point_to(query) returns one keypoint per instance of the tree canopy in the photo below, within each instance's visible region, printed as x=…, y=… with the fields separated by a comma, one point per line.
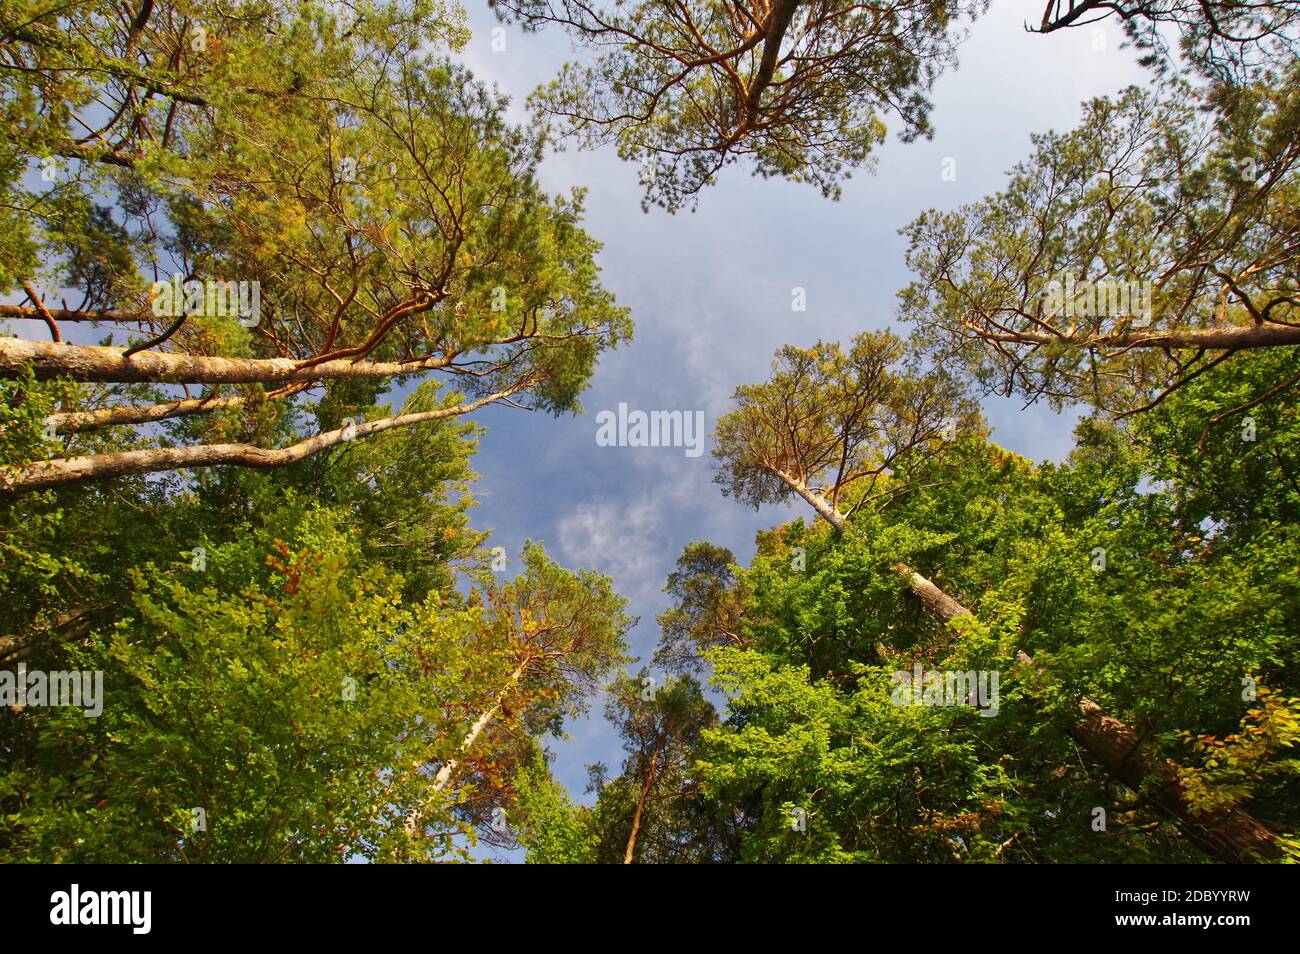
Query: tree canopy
x=804, y=89
x=1124, y=258
x=795, y=89
x=267, y=261
x=382, y=221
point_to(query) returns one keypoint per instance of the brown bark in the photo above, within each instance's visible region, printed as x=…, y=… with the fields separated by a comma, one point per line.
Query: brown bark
x=640, y=810
x=112, y=365
x=39, y=305
x=1073, y=12
x=1267, y=335
x=1230, y=835
x=778, y=21
x=45, y=474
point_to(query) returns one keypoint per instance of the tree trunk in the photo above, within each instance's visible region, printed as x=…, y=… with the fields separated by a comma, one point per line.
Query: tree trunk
x=814, y=500
x=444, y=774
x=441, y=780
x=1267, y=335
x=1230, y=835
x=936, y=602
x=640, y=809
x=52, y=359
x=778, y=21
x=42, y=475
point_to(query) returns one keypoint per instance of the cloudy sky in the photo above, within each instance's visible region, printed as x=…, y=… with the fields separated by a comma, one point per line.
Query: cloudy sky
x=710, y=293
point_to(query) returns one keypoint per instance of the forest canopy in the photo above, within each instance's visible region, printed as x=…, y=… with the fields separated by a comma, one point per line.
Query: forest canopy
x=272, y=272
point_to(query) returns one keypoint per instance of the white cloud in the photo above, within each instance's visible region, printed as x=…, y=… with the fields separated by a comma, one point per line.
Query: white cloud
x=614, y=537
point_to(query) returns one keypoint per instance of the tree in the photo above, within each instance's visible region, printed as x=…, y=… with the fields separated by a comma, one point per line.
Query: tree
x=830, y=775
x=801, y=89
x=706, y=608
x=157, y=69
x=827, y=768
x=797, y=89
x=1125, y=258
x=1241, y=481
x=552, y=829
x=565, y=632
x=247, y=716
x=304, y=708
x=654, y=811
x=386, y=217
x=828, y=420
x=402, y=495
x=782, y=426
x=1230, y=41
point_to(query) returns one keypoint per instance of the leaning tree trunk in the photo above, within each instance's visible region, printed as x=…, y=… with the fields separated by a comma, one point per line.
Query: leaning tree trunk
x=441, y=780
x=640, y=810
x=481, y=723
x=1229, y=834
x=63, y=471
x=49, y=359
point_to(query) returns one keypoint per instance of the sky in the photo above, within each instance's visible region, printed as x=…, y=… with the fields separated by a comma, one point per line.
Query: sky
x=711, y=295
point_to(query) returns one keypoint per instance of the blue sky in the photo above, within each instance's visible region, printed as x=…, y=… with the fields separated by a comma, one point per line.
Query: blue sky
x=710, y=292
